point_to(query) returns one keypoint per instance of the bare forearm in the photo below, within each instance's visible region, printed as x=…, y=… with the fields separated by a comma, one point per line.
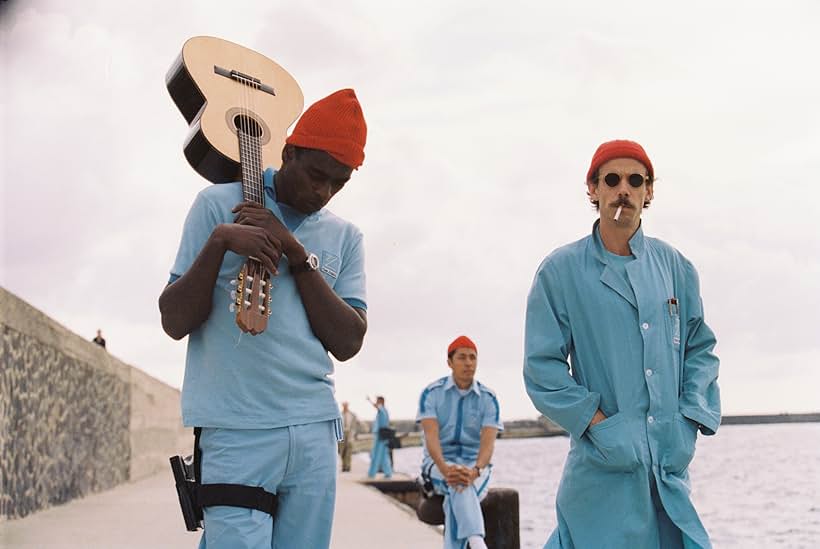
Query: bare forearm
x=486, y=447
x=432, y=442
x=338, y=326
x=186, y=303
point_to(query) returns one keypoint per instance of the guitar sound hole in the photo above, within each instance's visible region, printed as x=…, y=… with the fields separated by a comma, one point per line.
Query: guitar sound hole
x=247, y=125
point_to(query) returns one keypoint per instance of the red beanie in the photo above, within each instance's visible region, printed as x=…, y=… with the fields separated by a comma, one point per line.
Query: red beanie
x=620, y=148
x=459, y=342
x=335, y=125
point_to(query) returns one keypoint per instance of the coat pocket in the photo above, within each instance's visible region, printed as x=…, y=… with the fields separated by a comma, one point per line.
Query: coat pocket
x=609, y=445
x=674, y=325
x=678, y=447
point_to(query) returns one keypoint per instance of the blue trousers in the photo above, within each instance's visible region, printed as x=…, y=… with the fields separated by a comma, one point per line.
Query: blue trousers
x=462, y=509
x=380, y=459
x=298, y=463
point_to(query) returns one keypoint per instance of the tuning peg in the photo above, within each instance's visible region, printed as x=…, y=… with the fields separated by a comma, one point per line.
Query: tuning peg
x=232, y=308
x=250, y=279
x=233, y=295
x=249, y=291
x=262, y=308
x=233, y=282
x=247, y=304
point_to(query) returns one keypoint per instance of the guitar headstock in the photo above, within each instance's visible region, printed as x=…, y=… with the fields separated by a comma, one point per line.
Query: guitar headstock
x=253, y=288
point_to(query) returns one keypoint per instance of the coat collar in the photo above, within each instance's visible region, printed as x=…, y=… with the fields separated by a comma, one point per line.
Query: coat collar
x=609, y=277
x=637, y=244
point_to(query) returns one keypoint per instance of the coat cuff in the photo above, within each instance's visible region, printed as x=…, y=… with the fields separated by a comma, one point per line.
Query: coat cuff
x=708, y=422
x=589, y=412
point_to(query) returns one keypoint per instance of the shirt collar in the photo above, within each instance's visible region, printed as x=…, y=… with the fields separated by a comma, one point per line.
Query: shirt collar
x=637, y=243
x=451, y=383
x=270, y=190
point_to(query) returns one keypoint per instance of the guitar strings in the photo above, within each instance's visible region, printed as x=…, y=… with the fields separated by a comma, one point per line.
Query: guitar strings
x=254, y=143
x=250, y=141
x=248, y=159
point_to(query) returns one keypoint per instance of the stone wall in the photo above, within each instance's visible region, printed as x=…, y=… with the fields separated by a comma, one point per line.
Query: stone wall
x=73, y=419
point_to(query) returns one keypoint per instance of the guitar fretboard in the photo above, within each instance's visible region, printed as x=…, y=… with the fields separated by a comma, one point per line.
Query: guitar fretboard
x=250, y=154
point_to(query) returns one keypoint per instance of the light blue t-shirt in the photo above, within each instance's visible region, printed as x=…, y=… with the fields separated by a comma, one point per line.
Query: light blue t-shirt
x=460, y=417
x=618, y=264
x=281, y=376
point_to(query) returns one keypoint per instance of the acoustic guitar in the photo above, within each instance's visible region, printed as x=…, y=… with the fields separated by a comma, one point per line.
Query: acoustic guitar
x=239, y=105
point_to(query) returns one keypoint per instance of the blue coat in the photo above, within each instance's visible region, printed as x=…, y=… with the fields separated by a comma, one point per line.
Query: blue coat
x=641, y=352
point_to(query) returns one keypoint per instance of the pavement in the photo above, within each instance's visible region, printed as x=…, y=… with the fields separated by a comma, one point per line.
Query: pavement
x=145, y=515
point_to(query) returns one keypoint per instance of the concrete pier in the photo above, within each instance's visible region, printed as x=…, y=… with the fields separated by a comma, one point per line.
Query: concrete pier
x=145, y=513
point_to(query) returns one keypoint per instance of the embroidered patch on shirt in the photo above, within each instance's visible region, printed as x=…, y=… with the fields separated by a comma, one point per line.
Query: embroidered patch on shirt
x=330, y=264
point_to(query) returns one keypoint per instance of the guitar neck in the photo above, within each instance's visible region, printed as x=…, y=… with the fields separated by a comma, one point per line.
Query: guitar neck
x=250, y=153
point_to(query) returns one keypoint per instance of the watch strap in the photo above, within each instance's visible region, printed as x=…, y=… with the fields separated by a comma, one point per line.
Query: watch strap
x=311, y=263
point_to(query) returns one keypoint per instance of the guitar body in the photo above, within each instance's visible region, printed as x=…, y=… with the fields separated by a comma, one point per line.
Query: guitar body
x=208, y=83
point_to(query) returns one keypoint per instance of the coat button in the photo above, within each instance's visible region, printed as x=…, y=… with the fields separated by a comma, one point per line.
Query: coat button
x=650, y=419
x=645, y=325
x=649, y=372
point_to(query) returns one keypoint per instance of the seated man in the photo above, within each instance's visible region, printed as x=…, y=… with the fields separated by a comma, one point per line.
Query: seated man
x=461, y=419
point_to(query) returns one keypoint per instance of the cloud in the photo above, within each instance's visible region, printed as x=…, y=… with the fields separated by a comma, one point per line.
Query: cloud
x=482, y=121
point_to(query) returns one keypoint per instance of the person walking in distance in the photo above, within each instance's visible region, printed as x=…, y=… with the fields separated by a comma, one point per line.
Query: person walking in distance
x=380, y=453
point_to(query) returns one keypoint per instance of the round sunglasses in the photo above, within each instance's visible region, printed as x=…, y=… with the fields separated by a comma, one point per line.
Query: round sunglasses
x=634, y=179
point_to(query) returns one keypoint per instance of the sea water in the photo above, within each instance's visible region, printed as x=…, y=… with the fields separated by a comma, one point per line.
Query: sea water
x=754, y=486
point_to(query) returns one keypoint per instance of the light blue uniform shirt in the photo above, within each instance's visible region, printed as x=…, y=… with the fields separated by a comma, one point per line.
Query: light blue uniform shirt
x=382, y=420
x=281, y=376
x=640, y=351
x=460, y=417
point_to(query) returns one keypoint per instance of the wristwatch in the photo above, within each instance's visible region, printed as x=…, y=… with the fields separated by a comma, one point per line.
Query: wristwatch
x=311, y=263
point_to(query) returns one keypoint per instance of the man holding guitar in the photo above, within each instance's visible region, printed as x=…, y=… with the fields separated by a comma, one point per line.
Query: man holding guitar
x=264, y=402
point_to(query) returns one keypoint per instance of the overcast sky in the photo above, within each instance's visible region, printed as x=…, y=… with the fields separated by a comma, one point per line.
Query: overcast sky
x=482, y=121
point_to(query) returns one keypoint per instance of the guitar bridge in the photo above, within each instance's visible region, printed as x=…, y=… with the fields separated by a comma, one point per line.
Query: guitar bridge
x=243, y=78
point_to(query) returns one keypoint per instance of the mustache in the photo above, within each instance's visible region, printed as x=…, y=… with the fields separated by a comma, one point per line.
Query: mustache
x=622, y=201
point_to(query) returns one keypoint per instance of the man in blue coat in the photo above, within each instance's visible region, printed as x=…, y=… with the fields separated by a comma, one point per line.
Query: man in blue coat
x=380, y=452
x=617, y=353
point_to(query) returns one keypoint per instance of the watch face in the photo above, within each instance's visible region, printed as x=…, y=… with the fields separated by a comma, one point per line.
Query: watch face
x=313, y=262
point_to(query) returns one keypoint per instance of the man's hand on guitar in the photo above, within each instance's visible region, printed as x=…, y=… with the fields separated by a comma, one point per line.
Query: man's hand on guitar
x=251, y=241
x=251, y=213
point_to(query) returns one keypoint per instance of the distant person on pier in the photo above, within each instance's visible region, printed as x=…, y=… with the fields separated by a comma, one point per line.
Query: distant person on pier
x=461, y=420
x=380, y=452
x=265, y=403
x=350, y=424
x=617, y=352
x=99, y=340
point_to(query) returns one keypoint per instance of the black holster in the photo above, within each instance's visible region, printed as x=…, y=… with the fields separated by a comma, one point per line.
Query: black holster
x=194, y=496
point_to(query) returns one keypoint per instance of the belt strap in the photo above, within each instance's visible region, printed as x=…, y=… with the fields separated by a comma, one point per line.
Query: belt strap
x=236, y=495
x=233, y=495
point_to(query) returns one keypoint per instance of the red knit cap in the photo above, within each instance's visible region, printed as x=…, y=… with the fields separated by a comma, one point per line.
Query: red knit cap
x=620, y=148
x=461, y=341
x=335, y=125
